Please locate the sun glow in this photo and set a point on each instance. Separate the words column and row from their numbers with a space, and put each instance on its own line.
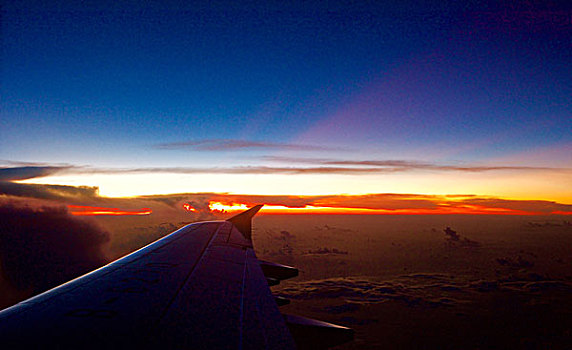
column 223, row 208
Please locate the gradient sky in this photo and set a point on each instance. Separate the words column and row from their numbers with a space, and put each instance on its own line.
column 299, row 98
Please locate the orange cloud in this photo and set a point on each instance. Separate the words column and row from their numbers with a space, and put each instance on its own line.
column 189, row 207
column 379, row 204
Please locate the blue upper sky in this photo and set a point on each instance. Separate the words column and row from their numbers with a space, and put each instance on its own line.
column 107, row 83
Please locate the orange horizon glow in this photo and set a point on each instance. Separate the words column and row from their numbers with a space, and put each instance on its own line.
column 219, row 207
column 523, row 187
column 82, row 210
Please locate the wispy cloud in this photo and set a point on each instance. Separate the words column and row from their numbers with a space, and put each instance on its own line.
column 296, row 166
column 241, row 170
column 238, row 145
column 14, row 174
column 400, row 165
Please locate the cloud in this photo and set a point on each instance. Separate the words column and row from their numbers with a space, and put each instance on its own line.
column 397, row 165
column 296, row 166
column 453, row 239
column 451, row 234
column 332, row 229
column 538, row 206
column 381, row 202
column 393, row 201
column 410, row 290
column 238, row 145
column 225, row 198
column 282, row 246
column 387, row 202
column 326, row 251
column 43, row 246
column 416, row 291
column 29, row 172
column 260, row 170
column 52, row 192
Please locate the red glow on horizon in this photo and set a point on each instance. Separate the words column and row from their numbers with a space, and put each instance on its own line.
column 473, row 210
column 219, row 207
column 82, row 210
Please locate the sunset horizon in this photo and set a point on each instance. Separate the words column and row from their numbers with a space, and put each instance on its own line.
column 410, row 163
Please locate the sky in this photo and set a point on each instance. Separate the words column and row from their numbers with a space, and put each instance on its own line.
column 427, row 98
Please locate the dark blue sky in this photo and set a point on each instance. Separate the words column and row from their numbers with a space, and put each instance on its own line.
column 105, row 83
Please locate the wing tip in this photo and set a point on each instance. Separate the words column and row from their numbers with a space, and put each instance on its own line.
column 243, row 221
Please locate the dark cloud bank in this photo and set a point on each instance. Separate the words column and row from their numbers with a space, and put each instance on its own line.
column 50, row 192
column 28, row 172
column 43, row 247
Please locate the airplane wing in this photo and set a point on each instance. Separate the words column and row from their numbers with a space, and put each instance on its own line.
column 200, row 287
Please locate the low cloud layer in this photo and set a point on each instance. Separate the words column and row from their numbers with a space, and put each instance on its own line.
column 416, row 290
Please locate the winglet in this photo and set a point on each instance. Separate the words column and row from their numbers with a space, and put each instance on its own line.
column 243, row 221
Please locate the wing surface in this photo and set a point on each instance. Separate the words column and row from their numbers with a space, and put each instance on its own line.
column 200, row 287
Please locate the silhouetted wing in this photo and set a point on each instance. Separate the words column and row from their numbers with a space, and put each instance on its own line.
column 200, row 287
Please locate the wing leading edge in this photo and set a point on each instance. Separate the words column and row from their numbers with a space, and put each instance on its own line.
column 198, row 287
